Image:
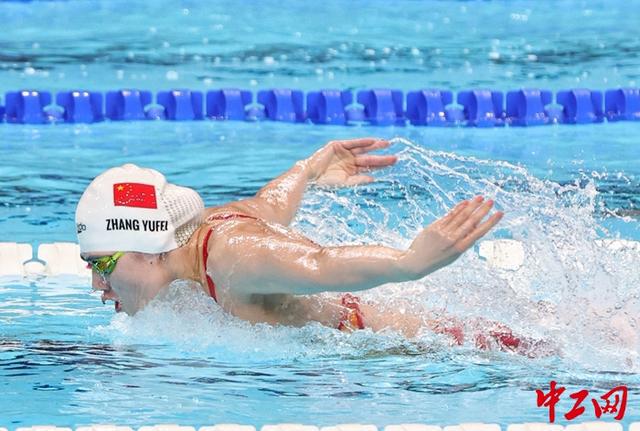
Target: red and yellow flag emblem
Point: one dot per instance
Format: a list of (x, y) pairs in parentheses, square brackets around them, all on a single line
[(134, 195)]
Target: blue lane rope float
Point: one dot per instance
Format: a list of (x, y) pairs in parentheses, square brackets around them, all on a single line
[(429, 108), (228, 104), (527, 108), (127, 105), (380, 107), (181, 105), (80, 106)]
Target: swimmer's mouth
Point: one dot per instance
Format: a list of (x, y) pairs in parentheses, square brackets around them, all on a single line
[(118, 307)]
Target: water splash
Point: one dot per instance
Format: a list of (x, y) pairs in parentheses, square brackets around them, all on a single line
[(570, 288), (191, 321)]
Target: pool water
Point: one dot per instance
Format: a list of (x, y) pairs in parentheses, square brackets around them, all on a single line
[(182, 360), (105, 45), (66, 359)]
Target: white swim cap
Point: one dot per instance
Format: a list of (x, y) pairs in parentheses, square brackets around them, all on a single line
[(129, 208)]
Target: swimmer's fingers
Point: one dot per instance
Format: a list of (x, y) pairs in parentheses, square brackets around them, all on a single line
[(462, 216), (355, 144), (444, 221), (364, 145), (474, 218), (378, 144), (365, 163), (479, 231), (358, 179)]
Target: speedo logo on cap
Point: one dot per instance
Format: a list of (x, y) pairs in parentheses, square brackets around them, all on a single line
[(134, 195)]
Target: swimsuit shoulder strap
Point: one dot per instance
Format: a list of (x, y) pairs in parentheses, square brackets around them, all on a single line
[(205, 255), (226, 216)]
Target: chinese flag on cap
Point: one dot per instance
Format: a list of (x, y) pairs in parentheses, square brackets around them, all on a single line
[(134, 195)]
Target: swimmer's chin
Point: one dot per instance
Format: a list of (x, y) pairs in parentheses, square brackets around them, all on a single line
[(131, 308)]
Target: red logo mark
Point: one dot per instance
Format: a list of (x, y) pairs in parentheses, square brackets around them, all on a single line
[(615, 402)]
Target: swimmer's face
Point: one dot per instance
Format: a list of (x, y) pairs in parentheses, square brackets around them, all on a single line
[(136, 279)]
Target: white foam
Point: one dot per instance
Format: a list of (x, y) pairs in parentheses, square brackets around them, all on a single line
[(178, 319), (503, 253)]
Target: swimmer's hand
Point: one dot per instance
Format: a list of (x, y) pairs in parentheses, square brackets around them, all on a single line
[(345, 163), (444, 240)]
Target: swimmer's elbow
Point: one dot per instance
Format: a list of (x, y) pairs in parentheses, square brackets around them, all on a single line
[(324, 277), (314, 273)]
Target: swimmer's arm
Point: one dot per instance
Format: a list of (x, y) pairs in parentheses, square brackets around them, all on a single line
[(266, 263), (279, 199), (339, 163), (275, 265)]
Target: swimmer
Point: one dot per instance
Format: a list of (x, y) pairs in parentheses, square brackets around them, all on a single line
[(139, 233)]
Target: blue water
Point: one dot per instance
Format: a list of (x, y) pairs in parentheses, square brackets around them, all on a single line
[(504, 44), (65, 358)]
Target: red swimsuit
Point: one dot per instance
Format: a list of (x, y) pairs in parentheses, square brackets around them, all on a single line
[(352, 317)]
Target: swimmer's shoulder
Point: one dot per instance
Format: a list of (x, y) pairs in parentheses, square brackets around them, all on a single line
[(227, 231), (227, 243)]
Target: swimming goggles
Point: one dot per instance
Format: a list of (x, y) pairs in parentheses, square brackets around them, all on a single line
[(106, 264)]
